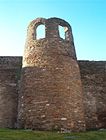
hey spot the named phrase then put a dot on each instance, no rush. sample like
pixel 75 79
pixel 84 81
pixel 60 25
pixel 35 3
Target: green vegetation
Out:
pixel 10 134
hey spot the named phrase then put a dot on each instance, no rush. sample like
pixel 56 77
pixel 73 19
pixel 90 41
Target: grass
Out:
pixel 10 134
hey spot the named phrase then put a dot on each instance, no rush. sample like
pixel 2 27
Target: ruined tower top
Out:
pixel 51 28
pixel 60 45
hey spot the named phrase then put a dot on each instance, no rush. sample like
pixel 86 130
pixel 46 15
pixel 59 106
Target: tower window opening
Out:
pixel 62 31
pixel 40 32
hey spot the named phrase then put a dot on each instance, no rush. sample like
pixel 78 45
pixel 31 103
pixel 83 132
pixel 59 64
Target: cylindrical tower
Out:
pixel 51 94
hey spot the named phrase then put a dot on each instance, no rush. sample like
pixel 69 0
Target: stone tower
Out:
pixel 50 94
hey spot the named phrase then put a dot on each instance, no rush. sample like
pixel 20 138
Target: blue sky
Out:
pixel 87 18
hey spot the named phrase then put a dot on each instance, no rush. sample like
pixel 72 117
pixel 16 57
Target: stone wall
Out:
pixel 93 75
pixel 9 75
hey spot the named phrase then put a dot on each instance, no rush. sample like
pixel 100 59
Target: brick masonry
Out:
pixel 87 69
pixel 93 75
pixel 9 75
pixel 51 95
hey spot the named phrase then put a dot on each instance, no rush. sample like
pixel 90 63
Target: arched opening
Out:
pixel 62 32
pixel 40 31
